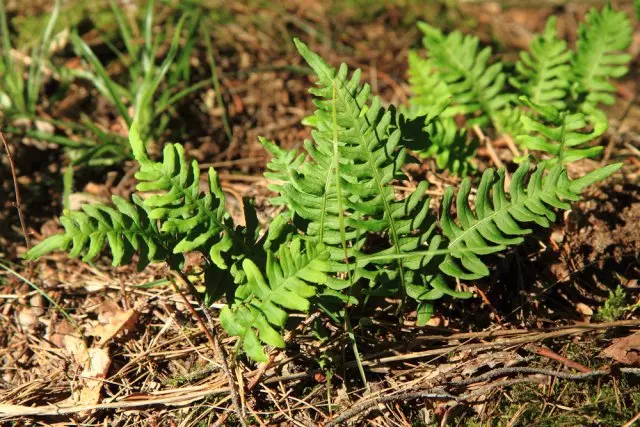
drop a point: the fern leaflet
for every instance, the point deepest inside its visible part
(476, 86)
(562, 134)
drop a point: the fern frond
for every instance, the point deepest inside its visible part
(441, 140)
(281, 167)
(259, 312)
(599, 58)
(476, 85)
(562, 134)
(497, 219)
(427, 87)
(125, 228)
(200, 218)
(544, 72)
(344, 190)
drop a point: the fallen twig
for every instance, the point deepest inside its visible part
(548, 353)
(220, 354)
(18, 200)
(439, 393)
(49, 410)
(487, 142)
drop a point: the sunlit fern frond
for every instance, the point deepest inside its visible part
(260, 309)
(476, 85)
(498, 218)
(544, 72)
(564, 135)
(125, 228)
(599, 57)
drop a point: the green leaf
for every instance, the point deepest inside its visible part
(544, 73)
(496, 221)
(113, 93)
(50, 244)
(259, 311)
(564, 135)
(457, 63)
(425, 311)
(599, 57)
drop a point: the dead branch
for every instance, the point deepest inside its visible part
(18, 199)
(437, 393)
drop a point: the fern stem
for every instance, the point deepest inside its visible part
(356, 352)
(563, 131)
(213, 340)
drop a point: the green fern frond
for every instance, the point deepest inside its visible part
(259, 312)
(281, 167)
(562, 134)
(125, 228)
(427, 87)
(544, 73)
(476, 86)
(440, 139)
(176, 213)
(198, 217)
(344, 190)
(598, 58)
(496, 221)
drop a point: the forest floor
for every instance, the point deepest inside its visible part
(558, 313)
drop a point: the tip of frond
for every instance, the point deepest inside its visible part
(592, 177)
(137, 145)
(319, 66)
(428, 30)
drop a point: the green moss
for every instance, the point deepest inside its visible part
(614, 307)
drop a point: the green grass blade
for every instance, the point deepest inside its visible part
(125, 31)
(216, 82)
(43, 293)
(151, 86)
(34, 80)
(85, 51)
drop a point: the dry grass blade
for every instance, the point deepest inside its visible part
(177, 398)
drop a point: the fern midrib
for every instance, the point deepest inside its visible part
(135, 230)
(325, 197)
(563, 137)
(336, 159)
(376, 176)
(539, 81)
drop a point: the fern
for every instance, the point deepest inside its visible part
(563, 134)
(563, 88)
(598, 58)
(344, 230)
(544, 73)
(125, 229)
(440, 139)
(496, 221)
(200, 219)
(344, 191)
(477, 87)
(427, 86)
(258, 313)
